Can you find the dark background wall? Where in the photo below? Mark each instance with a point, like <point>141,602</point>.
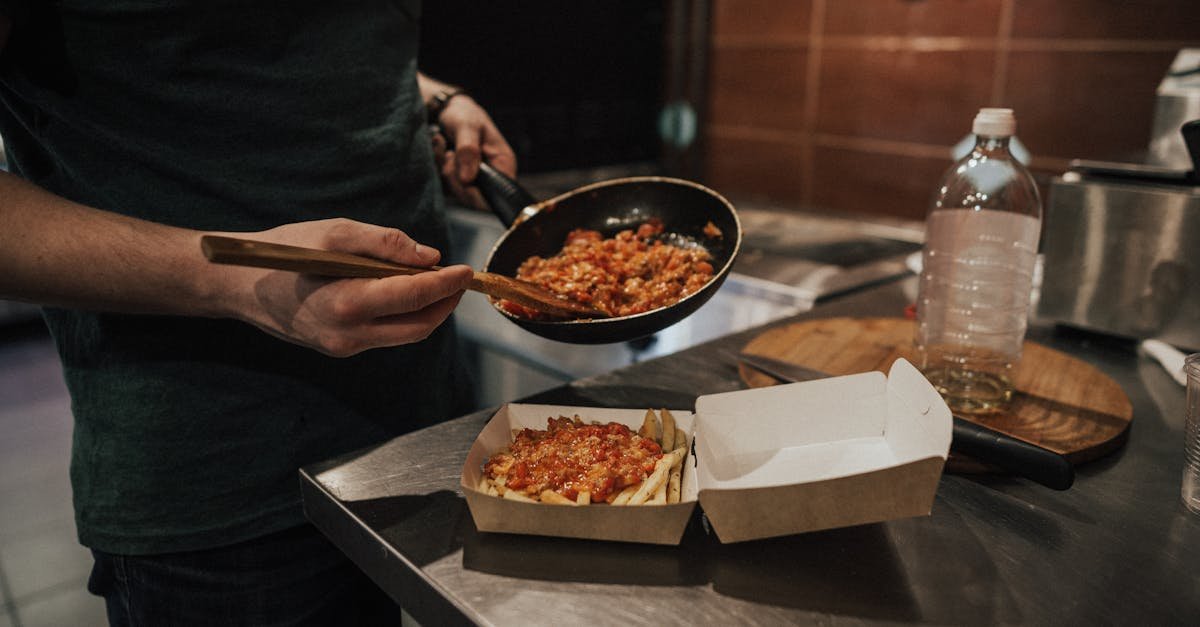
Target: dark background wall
<point>571,85</point>
<point>845,105</point>
<point>854,104</point>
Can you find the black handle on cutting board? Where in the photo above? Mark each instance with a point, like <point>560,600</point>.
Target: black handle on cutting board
<point>1020,458</point>
<point>1191,139</point>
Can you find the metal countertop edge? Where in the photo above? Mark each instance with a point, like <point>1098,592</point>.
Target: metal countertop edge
<point>973,505</point>
<point>440,609</point>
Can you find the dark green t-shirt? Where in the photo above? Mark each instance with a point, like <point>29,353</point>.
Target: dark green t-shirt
<point>223,115</point>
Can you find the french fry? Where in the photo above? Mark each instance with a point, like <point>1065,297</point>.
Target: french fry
<point>583,498</point>
<point>656,478</point>
<point>660,495</point>
<point>483,484</point>
<point>517,495</point>
<point>626,494</point>
<point>673,484</point>
<point>649,426</point>
<point>676,473</point>
<point>668,427</point>
<point>554,498</point>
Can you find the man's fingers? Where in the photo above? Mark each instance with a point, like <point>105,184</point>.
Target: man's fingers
<point>450,175</point>
<point>468,196</point>
<point>467,155</point>
<point>439,148</point>
<point>408,294</point>
<point>383,332</point>
<point>411,327</point>
<point>379,242</point>
<point>498,153</point>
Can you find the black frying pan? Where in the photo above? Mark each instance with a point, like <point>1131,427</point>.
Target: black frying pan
<point>540,228</point>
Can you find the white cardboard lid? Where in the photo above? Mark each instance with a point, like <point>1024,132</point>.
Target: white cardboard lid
<point>820,454</point>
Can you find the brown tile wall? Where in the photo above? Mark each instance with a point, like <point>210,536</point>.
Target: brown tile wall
<point>854,105</point>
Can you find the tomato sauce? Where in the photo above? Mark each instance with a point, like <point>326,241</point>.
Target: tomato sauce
<point>570,457</point>
<point>630,273</point>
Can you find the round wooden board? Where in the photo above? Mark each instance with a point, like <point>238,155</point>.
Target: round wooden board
<point>1062,403</point>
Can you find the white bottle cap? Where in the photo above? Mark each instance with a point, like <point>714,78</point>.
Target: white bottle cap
<point>995,123</point>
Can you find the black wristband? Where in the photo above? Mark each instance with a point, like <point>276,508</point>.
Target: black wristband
<point>440,100</point>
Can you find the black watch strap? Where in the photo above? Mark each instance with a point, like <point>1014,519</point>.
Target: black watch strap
<point>440,100</point>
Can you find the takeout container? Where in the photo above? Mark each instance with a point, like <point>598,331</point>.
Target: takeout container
<point>765,462</point>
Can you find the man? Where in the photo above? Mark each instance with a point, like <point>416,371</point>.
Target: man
<point>132,128</point>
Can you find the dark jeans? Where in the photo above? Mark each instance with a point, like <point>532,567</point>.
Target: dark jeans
<point>294,577</point>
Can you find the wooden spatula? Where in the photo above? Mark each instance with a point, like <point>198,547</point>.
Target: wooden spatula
<point>243,252</point>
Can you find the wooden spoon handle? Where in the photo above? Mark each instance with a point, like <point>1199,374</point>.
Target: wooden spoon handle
<point>242,252</point>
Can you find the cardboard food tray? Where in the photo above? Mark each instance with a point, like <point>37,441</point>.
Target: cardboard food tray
<point>768,462</point>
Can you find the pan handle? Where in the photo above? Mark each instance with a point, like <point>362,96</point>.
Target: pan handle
<point>504,196</point>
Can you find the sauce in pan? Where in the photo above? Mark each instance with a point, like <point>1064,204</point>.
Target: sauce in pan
<point>630,273</point>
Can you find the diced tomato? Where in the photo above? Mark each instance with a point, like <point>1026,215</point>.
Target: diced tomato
<point>631,272</point>
<point>570,456</point>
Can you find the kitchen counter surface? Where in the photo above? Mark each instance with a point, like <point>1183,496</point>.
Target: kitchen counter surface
<point>1117,548</point>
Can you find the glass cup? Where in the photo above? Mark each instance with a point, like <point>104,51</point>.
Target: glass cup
<point>1191,435</point>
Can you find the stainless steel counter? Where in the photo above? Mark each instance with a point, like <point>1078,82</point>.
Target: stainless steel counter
<point>1117,548</point>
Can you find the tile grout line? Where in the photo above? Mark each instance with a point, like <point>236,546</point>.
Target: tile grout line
<point>1002,53</point>
<point>812,88</point>
<point>79,583</point>
<point>21,348</point>
<point>10,601</point>
<point>948,43</point>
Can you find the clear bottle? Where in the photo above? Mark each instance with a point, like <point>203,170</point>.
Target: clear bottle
<point>981,242</point>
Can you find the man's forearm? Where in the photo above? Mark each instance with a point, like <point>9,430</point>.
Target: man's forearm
<point>56,252</point>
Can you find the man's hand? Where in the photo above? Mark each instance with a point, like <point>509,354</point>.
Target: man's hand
<point>467,136</point>
<point>342,317</point>
<point>472,136</point>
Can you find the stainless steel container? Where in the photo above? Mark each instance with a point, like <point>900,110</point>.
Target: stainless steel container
<point>1177,100</point>
<point>1122,256</point>
<point>1121,241</point>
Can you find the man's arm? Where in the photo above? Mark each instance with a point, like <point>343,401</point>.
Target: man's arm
<point>57,252</point>
<point>60,253</point>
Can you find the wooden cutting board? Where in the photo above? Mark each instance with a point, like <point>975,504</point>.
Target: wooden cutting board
<point>1061,403</point>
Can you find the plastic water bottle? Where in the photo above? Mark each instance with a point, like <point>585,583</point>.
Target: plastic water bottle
<point>980,250</point>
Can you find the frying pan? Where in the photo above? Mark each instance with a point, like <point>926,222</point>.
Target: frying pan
<point>541,228</point>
